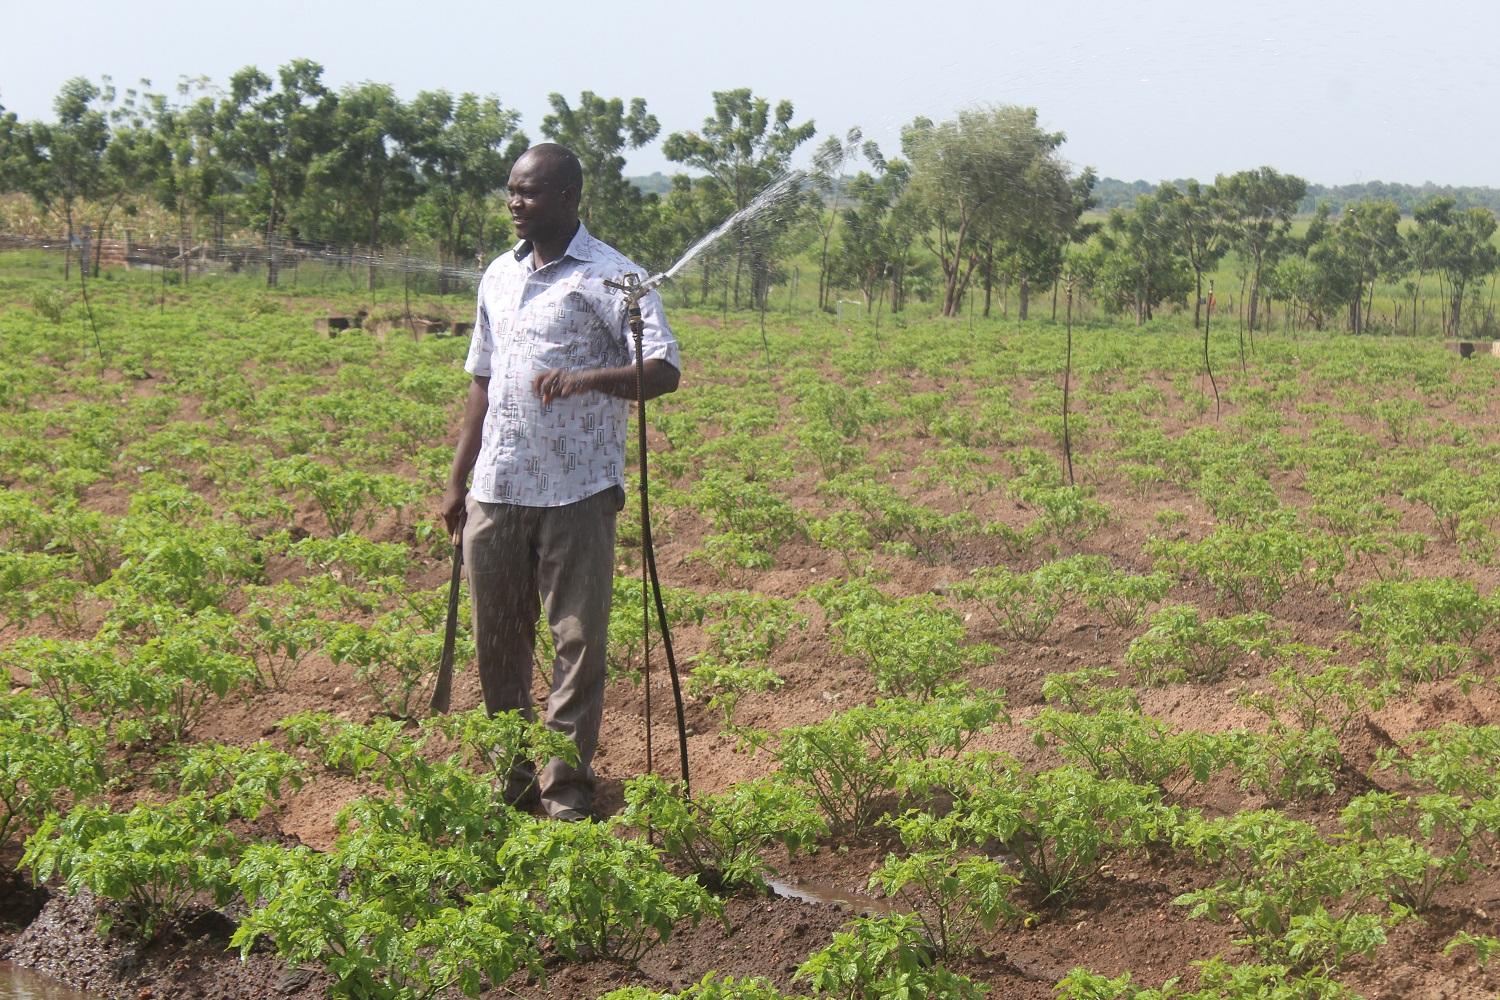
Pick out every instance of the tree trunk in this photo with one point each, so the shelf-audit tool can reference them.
(1254, 296)
(1025, 298)
(1197, 296)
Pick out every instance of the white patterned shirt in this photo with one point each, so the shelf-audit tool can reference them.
(533, 319)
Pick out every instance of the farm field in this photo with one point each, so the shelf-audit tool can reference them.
(1220, 712)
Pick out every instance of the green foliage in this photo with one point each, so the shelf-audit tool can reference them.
(1122, 743)
(720, 836)
(1253, 569)
(603, 896)
(624, 655)
(1297, 896)
(395, 931)
(392, 657)
(749, 523)
(1180, 645)
(959, 900)
(1060, 825)
(912, 645)
(1428, 841)
(745, 629)
(154, 858)
(1022, 605)
(881, 958)
(1454, 760)
(42, 768)
(1422, 629)
(850, 760)
(710, 987)
(350, 499)
(1313, 694)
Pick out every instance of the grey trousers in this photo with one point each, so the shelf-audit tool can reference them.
(565, 555)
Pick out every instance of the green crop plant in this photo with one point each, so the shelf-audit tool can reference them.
(1288, 764)
(349, 499)
(280, 635)
(392, 933)
(711, 987)
(1122, 743)
(1253, 569)
(391, 658)
(1430, 841)
(883, 957)
(43, 767)
(744, 629)
(1485, 947)
(961, 901)
(1298, 897)
(1454, 760)
(1312, 693)
(1180, 645)
(603, 895)
(913, 646)
(1120, 596)
(1217, 980)
(154, 858)
(851, 760)
(39, 585)
(355, 556)
(1061, 825)
(748, 523)
(720, 836)
(1238, 496)
(1422, 629)
(623, 657)
(886, 517)
(1022, 605)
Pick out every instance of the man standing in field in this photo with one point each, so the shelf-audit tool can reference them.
(544, 435)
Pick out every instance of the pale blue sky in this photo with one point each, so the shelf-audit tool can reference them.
(1334, 90)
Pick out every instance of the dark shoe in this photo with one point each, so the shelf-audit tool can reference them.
(573, 816)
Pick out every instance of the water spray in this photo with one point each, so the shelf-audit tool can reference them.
(634, 290)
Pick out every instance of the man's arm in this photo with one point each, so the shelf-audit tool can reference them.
(469, 434)
(660, 379)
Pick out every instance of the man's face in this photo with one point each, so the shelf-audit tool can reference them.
(540, 207)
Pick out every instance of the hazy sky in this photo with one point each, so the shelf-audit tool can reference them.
(1335, 91)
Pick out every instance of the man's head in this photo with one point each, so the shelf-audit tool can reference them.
(544, 187)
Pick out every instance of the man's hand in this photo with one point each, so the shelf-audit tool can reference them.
(452, 509)
(557, 383)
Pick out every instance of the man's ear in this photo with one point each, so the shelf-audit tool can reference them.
(571, 195)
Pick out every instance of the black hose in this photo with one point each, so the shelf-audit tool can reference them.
(638, 328)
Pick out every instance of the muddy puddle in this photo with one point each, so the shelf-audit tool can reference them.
(817, 892)
(17, 983)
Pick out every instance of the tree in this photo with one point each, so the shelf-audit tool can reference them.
(366, 174)
(10, 129)
(743, 147)
(983, 177)
(877, 238)
(277, 132)
(1204, 232)
(1139, 260)
(1459, 248)
(1259, 206)
(598, 129)
(464, 150)
(1370, 239)
(61, 164)
(1036, 255)
(188, 174)
(828, 175)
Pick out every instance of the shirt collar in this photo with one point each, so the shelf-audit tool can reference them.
(580, 247)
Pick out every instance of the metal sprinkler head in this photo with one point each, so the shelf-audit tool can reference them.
(634, 288)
